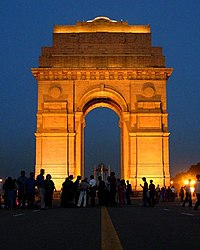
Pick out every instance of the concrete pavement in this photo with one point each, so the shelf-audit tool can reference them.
(167, 226)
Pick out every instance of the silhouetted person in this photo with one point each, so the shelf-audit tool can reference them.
(1, 190)
(197, 192)
(118, 183)
(162, 194)
(87, 191)
(107, 192)
(40, 186)
(128, 192)
(76, 189)
(121, 190)
(173, 193)
(152, 191)
(49, 189)
(113, 188)
(188, 197)
(84, 186)
(182, 194)
(145, 190)
(101, 191)
(67, 194)
(10, 189)
(21, 180)
(30, 190)
(157, 193)
(93, 188)
(168, 194)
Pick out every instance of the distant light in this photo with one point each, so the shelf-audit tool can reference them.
(192, 189)
(192, 182)
(1, 180)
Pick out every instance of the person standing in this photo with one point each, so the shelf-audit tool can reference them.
(188, 197)
(157, 194)
(162, 194)
(152, 191)
(113, 188)
(40, 186)
(181, 194)
(145, 191)
(93, 188)
(121, 191)
(67, 195)
(76, 189)
(49, 189)
(1, 190)
(128, 192)
(118, 183)
(21, 180)
(107, 192)
(197, 192)
(173, 193)
(30, 190)
(84, 186)
(168, 194)
(10, 189)
(101, 191)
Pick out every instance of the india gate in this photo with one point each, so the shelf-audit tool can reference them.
(103, 63)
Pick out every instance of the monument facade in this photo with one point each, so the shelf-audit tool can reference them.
(103, 63)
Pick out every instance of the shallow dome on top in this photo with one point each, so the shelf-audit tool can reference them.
(101, 18)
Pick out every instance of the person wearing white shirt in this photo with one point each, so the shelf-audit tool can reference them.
(93, 188)
(84, 186)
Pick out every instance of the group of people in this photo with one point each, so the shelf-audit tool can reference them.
(21, 192)
(152, 194)
(149, 192)
(186, 194)
(111, 192)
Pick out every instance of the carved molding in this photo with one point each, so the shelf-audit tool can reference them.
(43, 74)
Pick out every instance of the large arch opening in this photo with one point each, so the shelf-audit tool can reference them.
(101, 140)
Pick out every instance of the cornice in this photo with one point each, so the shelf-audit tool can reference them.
(102, 24)
(46, 74)
(149, 134)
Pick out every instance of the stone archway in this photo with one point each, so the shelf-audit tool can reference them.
(106, 63)
(107, 98)
(102, 142)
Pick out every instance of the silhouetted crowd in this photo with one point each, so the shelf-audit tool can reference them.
(37, 193)
(152, 194)
(113, 192)
(21, 192)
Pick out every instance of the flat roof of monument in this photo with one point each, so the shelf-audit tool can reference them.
(102, 24)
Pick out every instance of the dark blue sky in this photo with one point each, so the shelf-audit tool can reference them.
(27, 25)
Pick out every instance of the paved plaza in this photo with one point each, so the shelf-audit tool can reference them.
(167, 226)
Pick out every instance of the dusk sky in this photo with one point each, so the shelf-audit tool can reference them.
(27, 25)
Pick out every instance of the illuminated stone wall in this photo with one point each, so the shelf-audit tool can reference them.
(103, 63)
